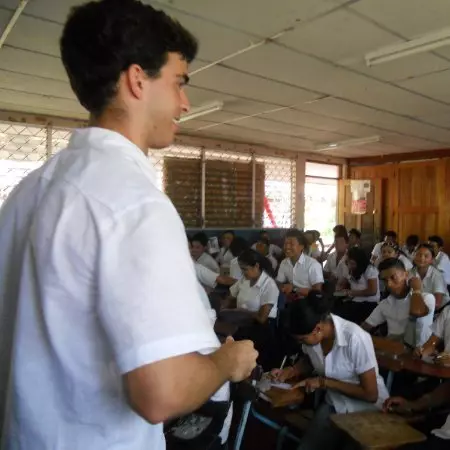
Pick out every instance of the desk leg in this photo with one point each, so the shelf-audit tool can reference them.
(242, 425)
(390, 381)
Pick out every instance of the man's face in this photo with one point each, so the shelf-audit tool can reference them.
(340, 244)
(389, 239)
(165, 101)
(395, 280)
(352, 240)
(423, 258)
(197, 250)
(292, 247)
(227, 239)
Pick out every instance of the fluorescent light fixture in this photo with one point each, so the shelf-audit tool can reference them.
(347, 143)
(201, 111)
(425, 43)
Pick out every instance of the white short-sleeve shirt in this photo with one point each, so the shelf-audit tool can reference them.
(352, 355)
(441, 327)
(304, 274)
(205, 276)
(442, 263)
(339, 268)
(361, 284)
(433, 282)
(376, 252)
(395, 312)
(225, 256)
(263, 292)
(235, 269)
(87, 294)
(274, 250)
(209, 262)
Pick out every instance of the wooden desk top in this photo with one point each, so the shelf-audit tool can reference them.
(280, 398)
(424, 368)
(388, 346)
(376, 430)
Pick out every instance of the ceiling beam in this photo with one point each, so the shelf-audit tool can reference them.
(400, 157)
(13, 21)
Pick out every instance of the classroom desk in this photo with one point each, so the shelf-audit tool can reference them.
(423, 368)
(374, 430)
(281, 398)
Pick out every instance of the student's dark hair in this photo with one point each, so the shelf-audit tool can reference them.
(439, 241)
(250, 258)
(264, 241)
(391, 245)
(412, 240)
(428, 247)
(238, 245)
(297, 234)
(342, 236)
(340, 229)
(355, 232)
(361, 259)
(102, 39)
(306, 314)
(391, 263)
(391, 234)
(228, 232)
(200, 237)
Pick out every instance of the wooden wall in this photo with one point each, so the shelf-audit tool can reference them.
(416, 196)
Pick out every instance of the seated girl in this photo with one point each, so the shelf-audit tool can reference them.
(339, 361)
(263, 248)
(392, 250)
(361, 285)
(225, 256)
(411, 244)
(238, 246)
(432, 279)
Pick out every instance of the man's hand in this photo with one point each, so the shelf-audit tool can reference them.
(236, 358)
(286, 289)
(397, 405)
(311, 384)
(282, 375)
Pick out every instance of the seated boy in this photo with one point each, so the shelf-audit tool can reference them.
(199, 252)
(407, 311)
(442, 261)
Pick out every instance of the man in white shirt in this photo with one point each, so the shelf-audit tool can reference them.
(298, 273)
(442, 261)
(336, 265)
(199, 252)
(100, 345)
(407, 311)
(390, 236)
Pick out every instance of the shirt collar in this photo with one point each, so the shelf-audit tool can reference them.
(261, 279)
(339, 324)
(104, 140)
(300, 260)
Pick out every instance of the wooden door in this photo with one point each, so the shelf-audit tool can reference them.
(369, 223)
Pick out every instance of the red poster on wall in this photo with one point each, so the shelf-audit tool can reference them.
(359, 206)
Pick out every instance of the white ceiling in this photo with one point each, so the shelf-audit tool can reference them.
(307, 87)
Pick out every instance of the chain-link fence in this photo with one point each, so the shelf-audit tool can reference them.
(263, 186)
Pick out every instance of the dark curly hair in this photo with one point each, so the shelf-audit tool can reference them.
(103, 39)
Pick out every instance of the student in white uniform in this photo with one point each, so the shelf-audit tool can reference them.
(225, 256)
(263, 248)
(199, 252)
(432, 279)
(340, 360)
(338, 230)
(390, 250)
(274, 250)
(390, 236)
(336, 265)
(408, 311)
(411, 244)
(314, 251)
(362, 286)
(298, 273)
(100, 344)
(354, 238)
(442, 261)
(209, 279)
(238, 246)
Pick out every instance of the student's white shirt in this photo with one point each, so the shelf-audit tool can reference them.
(442, 263)
(224, 258)
(395, 312)
(209, 262)
(205, 276)
(409, 255)
(274, 250)
(441, 328)
(352, 355)
(87, 294)
(362, 284)
(337, 269)
(433, 282)
(263, 292)
(376, 252)
(304, 274)
(235, 269)
(273, 261)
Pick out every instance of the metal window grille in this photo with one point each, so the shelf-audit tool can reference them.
(252, 190)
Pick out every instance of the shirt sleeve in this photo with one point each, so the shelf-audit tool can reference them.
(148, 299)
(438, 327)
(206, 276)
(327, 267)
(270, 295)
(234, 290)
(235, 270)
(315, 273)
(439, 286)
(282, 277)
(371, 272)
(362, 352)
(377, 317)
(377, 250)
